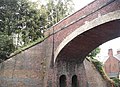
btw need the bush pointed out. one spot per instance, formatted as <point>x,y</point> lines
<point>116,82</point>
<point>6,46</point>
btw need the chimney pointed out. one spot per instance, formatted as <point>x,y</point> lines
<point>118,51</point>
<point>110,52</point>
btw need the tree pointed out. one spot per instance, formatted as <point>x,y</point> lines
<point>7,11</point>
<point>94,53</point>
<point>21,17</point>
<point>7,8</point>
<point>14,18</point>
<point>57,10</point>
<point>6,46</point>
<point>29,18</point>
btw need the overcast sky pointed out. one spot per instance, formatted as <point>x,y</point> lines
<point>81,3</point>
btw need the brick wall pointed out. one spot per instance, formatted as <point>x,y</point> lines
<point>94,78</point>
<point>28,68</point>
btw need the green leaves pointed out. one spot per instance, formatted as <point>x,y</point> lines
<point>6,46</point>
<point>57,10</point>
<point>94,53</point>
<point>116,82</point>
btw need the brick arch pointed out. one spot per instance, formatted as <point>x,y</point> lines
<point>89,36</point>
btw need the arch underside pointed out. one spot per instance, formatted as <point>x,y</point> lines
<point>79,47</point>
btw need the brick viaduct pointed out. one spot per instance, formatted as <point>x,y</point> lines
<point>59,59</point>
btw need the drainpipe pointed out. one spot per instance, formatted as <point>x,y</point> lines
<point>119,69</point>
<point>52,57</point>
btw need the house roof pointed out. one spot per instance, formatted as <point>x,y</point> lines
<point>117,56</point>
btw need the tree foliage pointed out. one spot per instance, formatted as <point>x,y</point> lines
<point>94,53</point>
<point>6,46</point>
<point>57,10</point>
<point>116,82</point>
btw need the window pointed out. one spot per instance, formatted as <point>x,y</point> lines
<point>62,81</point>
<point>74,81</point>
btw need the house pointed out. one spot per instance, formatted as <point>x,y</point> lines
<point>112,64</point>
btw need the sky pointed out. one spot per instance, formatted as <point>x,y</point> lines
<point>114,44</point>
<point>81,3</point>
